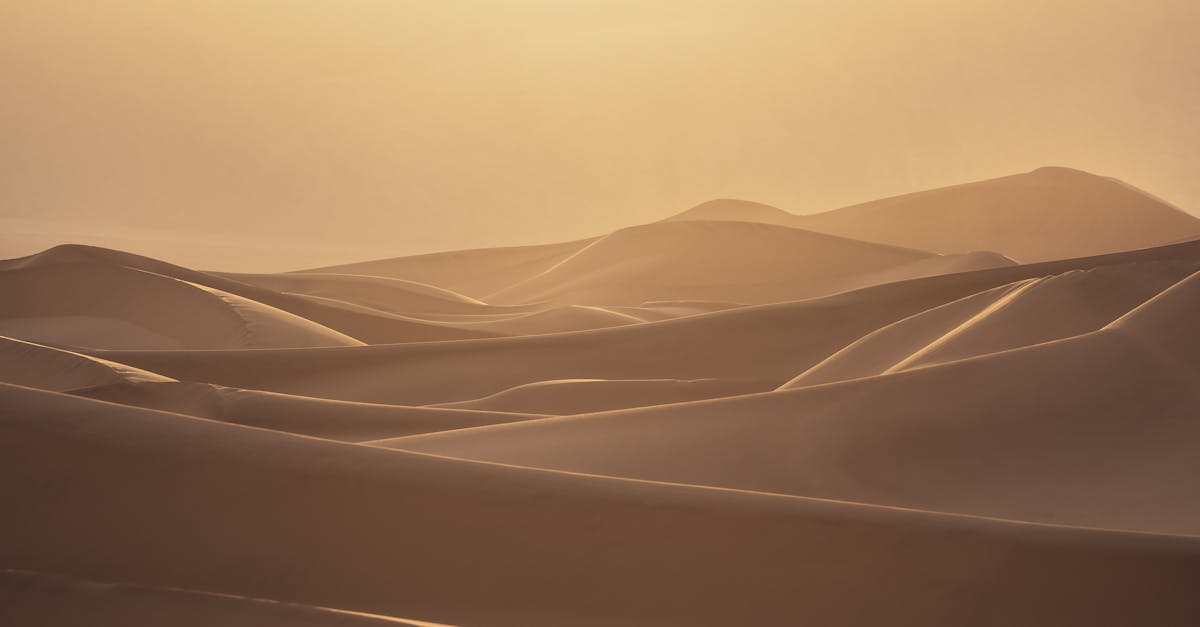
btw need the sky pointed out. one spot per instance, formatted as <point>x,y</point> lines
<point>283,134</point>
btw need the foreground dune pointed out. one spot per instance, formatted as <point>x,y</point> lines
<point>873,416</point>
<point>260,514</point>
<point>38,600</point>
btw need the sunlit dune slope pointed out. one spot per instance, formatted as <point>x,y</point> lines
<point>1098,429</point>
<point>366,325</point>
<point>268,515</point>
<point>386,294</point>
<point>36,366</point>
<point>576,396</point>
<point>1019,314</point>
<point>110,306</point>
<point>769,344</point>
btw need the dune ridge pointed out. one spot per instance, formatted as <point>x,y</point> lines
<point>650,545</point>
<point>736,416</point>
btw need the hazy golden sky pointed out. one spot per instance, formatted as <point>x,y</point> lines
<point>277,133</point>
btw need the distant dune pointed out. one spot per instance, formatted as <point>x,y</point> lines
<point>738,416</point>
<point>1049,213</point>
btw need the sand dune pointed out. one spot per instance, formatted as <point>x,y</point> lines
<point>40,600</point>
<point>735,417</point>
<point>322,418</point>
<point>577,396</point>
<point>734,261</point>
<point>770,344</point>
<point>1049,213</point>
<point>385,294</point>
<point>1019,314</point>
<point>361,324</point>
<point>1095,430</point>
<point>33,365</point>
<point>103,306</point>
<point>267,515</point>
<point>475,273</point>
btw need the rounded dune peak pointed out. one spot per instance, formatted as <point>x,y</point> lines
<point>1052,212</point>
<point>736,210</point>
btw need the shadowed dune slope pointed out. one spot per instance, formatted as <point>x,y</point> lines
<point>334,420</point>
<point>1011,316</point>
<point>1049,213</point>
<point>41,600</point>
<point>733,261</point>
<point>360,323</point>
<point>475,273</point>
<point>267,515</point>
<point>108,306</point>
<point>576,396</point>
<point>770,344</point>
<point>1095,430</point>
<point>47,368</point>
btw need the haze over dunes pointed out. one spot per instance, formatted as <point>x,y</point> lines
<point>967,406</point>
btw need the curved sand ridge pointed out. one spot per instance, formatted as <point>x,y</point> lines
<point>361,323</point>
<point>1095,430</point>
<point>733,261</point>
<point>1010,316</point>
<point>105,306</point>
<point>28,598</point>
<point>475,273</point>
<point>267,515</point>
<point>47,368</point>
<point>33,365</point>
<point>769,344</point>
<point>577,396</point>
<point>382,293</point>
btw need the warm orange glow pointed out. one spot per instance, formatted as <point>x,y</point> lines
<point>346,130</point>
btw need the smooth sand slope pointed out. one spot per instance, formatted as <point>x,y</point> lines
<point>359,323</point>
<point>734,261</point>
<point>475,273</point>
<point>1019,314</point>
<point>577,396</point>
<point>1049,213</point>
<point>266,515</point>
<point>334,420</point>
<point>110,306</point>
<point>1098,429</point>
<point>386,294</point>
<point>769,344</point>
<point>48,368</point>
<point>40,600</point>
<point>736,417</point>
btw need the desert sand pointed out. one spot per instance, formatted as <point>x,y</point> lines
<point>966,406</point>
